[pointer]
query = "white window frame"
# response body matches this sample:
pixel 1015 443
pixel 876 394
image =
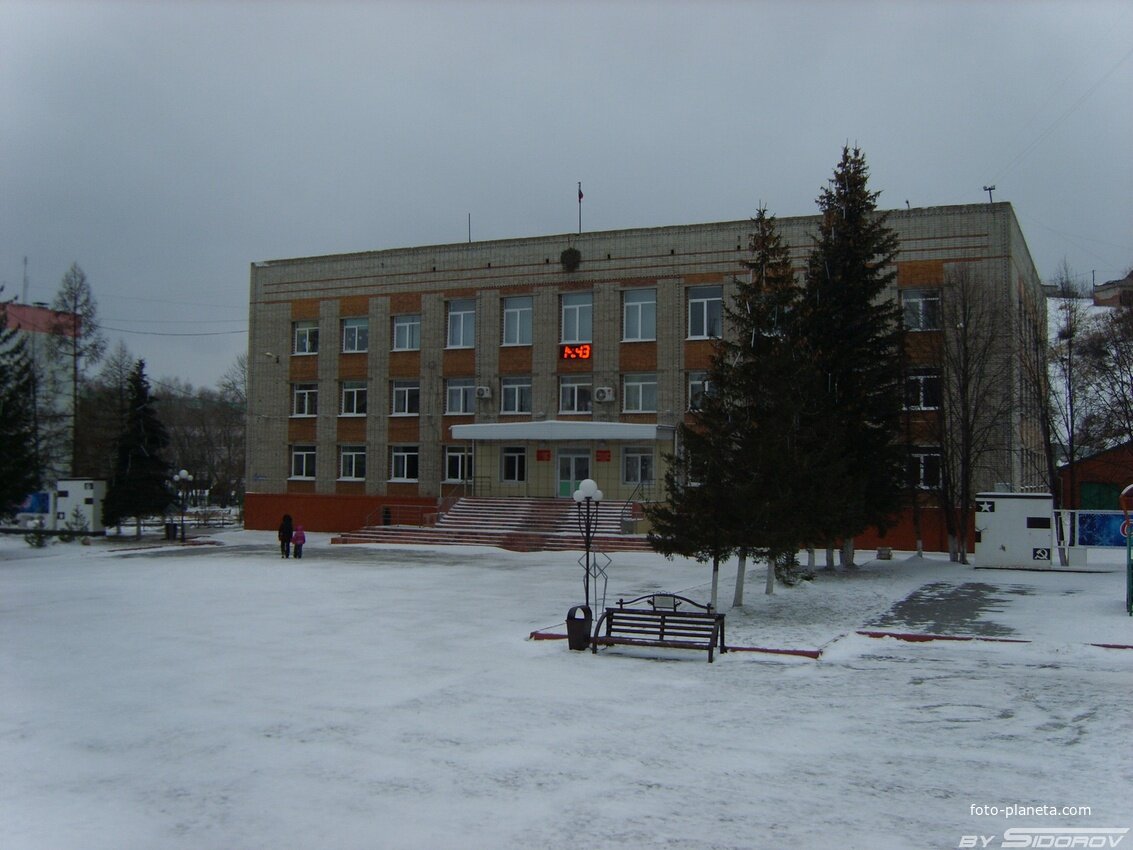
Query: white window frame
pixel 304 400
pixel 515 394
pixel 576 394
pixel 405 398
pixel 922 460
pixel 303 462
pixel 705 312
pixel 636 391
pixel 354 400
pixel 355 335
pixel 919 389
pixel 639 465
pixel 459 457
pixel 305 338
pixel 639 315
pixel 462 323
pixel 921 309
pixel 513 459
pixel 698 386
pixel 517 314
pixel 407 332
pixel 460 396
pixel 404 463
pixel 349 460
pixel 577 317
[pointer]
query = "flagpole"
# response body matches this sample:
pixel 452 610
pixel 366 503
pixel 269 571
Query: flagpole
pixel 580 207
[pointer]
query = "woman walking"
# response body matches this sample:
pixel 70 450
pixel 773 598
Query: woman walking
pixel 285 532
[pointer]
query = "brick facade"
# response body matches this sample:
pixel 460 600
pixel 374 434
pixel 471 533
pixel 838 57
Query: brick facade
pixel 416 286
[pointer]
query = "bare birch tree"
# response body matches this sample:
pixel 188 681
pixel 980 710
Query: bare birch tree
pixel 977 387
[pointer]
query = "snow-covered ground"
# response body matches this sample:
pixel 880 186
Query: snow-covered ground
pixel 389 697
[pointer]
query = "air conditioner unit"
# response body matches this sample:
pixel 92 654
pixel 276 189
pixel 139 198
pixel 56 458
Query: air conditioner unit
pixel 604 394
pixel 483 392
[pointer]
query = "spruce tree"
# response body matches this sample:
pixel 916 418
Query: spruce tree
pixel 753 464
pixel 851 323
pixel 139 486
pixel 19 464
pixel 768 371
pixel 698 518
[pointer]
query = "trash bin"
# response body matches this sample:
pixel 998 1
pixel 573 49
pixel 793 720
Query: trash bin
pixel 578 627
pixel 170 531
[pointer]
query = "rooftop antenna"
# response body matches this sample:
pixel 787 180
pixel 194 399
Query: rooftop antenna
pixel 989 190
pixel 470 228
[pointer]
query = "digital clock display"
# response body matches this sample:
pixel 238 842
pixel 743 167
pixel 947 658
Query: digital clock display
pixel 575 352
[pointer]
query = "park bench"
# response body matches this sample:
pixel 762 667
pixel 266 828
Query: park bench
pixel 659 621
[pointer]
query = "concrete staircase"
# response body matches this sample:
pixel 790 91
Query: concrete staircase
pixel 521 525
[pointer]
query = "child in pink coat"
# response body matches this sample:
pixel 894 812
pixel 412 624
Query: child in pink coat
pixel 298 538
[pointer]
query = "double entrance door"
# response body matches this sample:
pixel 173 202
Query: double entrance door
pixel 574 468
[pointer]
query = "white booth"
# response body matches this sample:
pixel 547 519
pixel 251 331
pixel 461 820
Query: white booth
pixel 1014 530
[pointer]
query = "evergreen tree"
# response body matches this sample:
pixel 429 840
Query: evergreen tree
pixel 138 487
pixel 766 369
pixel 19 464
pixel 753 462
pixel 698 518
pixel 852 327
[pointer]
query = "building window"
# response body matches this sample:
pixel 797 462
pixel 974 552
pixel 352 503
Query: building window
pixel 515 395
pixel 639 393
pixel 406 398
pixel 513 464
pixel 698 387
pixel 353 398
pixel 302 461
pixel 705 312
pixel 517 320
pixel 458 463
pixel 355 335
pixel 462 323
pixel 352 463
pixel 921 308
pixel 460 396
pixel 403 463
pixel 406 333
pixel 305 338
pixel 304 399
pixel 922 389
pixel 639 315
pixel 637 465
pixel 574 394
pixel 577 314
pixel 924 468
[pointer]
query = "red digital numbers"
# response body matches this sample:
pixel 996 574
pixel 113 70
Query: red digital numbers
pixel 575 352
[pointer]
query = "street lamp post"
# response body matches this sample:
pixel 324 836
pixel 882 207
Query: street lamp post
pixel 588 497
pixel 181 481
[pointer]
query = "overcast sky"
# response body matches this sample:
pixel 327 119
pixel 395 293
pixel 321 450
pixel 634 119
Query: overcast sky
pixel 164 146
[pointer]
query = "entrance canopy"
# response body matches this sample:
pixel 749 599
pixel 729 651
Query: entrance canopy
pixel 562 431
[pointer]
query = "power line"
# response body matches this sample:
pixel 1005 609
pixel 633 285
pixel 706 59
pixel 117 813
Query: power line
pixel 172 333
pixel 1063 116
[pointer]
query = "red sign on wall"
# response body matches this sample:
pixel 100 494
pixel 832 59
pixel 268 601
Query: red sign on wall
pixel 602 455
pixel 542 454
